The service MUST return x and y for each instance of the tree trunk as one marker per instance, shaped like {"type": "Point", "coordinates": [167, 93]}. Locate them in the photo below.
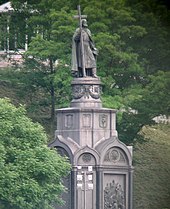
{"type": "Point", "coordinates": [52, 92]}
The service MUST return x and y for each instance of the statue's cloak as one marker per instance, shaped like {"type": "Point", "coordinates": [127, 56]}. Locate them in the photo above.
{"type": "Point", "coordinates": [89, 50]}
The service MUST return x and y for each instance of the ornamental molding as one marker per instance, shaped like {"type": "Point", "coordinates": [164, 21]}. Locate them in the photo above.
{"type": "Point", "coordinates": [86, 91]}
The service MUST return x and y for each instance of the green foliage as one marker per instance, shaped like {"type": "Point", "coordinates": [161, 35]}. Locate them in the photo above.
{"type": "Point", "coordinates": [117, 59]}
{"type": "Point", "coordinates": [157, 94]}
{"type": "Point", "coordinates": [62, 83]}
{"type": "Point", "coordinates": [50, 25]}
{"type": "Point", "coordinates": [30, 173]}
{"type": "Point", "coordinates": [152, 168]}
{"type": "Point", "coordinates": [154, 47]}
{"type": "Point", "coordinates": [51, 44]}
{"type": "Point", "coordinates": [55, 29]}
{"type": "Point", "coordinates": [149, 102]}
{"type": "Point", "coordinates": [133, 44]}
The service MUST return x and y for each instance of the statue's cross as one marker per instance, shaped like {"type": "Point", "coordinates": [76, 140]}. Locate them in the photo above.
{"type": "Point", "coordinates": [80, 17]}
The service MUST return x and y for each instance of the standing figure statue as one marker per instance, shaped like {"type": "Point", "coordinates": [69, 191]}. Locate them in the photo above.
{"type": "Point", "coordinates": [83, 52]}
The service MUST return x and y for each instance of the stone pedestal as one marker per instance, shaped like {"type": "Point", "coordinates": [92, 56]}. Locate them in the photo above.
{"type": "Point", "coordinates": [101, 176]}
{"type": "Point", "coordinates": [86, 126]}
{"type": "Point", "coordinates": [86, 92]}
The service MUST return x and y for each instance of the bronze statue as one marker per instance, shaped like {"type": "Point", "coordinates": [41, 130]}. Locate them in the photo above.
{"type": "Point", "coordinates": [83, 51]}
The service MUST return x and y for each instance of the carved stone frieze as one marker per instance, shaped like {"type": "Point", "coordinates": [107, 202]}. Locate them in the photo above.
{"type": "Point", "coordinates": [86, 120]}
{"type": "Point", "coordinates": [114, 155]}
{"type": "Point", "coordinates": [103, 120]}
{"type": "Point", "coordinates": [86, 91]}
{"type": "Point", "coordinates": [69, 120]}
{"type": "Point", "coordinates": [114, 196]}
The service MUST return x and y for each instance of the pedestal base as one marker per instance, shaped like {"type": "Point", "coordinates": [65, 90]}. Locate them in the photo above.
{"type": "Point", "coordinates": [86, 92]}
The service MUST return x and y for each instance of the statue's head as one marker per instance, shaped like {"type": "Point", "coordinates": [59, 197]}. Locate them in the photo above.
{"type": "Point", "coordinates": [84, 23]}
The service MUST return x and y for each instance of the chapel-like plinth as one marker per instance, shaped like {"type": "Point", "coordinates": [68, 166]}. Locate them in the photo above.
{"type": "Point", "coordinates": [102, 171]}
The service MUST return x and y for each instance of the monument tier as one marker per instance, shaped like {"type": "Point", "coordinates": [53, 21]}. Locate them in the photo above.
{"type": "Point", "coordinates": [101, 176]}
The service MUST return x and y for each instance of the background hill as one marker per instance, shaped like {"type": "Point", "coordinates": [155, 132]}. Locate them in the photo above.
{"type": "Point", "coordinates": [152, 169]}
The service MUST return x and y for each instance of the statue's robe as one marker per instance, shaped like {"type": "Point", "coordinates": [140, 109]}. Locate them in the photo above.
{"type": "Point", "coordinates": [89, 51]}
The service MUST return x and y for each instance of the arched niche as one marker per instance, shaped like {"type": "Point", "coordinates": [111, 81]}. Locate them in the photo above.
{"type": "Point", "coordinates": [63, 152]}
{"type": "Point", "coordinates": [115, 176]}
{"type": "Point", "coordinates": [86, 156]}
{"type": "Point", "coordinates": [68, 145]}
{"type": "Point", "coordinates": [114, 152]}
{"type": "Point", "coordinates": [85, 162]}
{"type": "Point", "coordinates": [67, 195]}
{"type": "Point", "coordinates": [115, 156]}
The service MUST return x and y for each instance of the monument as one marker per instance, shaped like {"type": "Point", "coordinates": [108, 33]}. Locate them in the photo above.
{"type": "Point", "coordinates": [102, 171]}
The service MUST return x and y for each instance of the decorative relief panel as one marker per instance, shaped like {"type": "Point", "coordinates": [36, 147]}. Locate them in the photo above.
{"type": "Point", "coordinates": [69, 121]}
{"type": "Point", "coordinates": [87, 120]}
{"type": "Point", "coordinates": [103, 120]}
{"type": "Point", "coordinates": [86, 91]}
{"type": "Point", "coordinates": [86, 157]}
{"type": "Point", "coordinates": [114, 196]}
{"type": "Point", "coordinates": [114, 155]}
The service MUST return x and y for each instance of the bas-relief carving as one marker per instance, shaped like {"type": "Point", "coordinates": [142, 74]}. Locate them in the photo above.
{"type": "Point", "coordinates": [114, 196]}
{"type": "Point", "coordinates": [69, 121]}
{"type": "Point", "coordinates": [86, 91]}
{"type": "Point", "coordinates": [103, 120]}
{"type": "Point", "coordinates": [87, 120]}
{"type": "Point", "coordinates": [86, 159]}
{"type": "Point", "coordinates": [114, 155]}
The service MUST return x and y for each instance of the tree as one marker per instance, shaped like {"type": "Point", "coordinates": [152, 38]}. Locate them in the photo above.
{"type": "Point", "coordinates": [52, 26]}
{"type": "Point", "coordinates": [154, 47]}
{"type": "Point", "coordinates": [114, 24]}
{"type": "Point", "coordinates": [30, 173]}
{"type": "Point", "coordinates": [133, 42]}
{"type": "Point", "coordinates": [151, 97]}
{"type": "Point", "coordinates": [151, 101]}
{"type": "Point", "coordinates": [3, 1]}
